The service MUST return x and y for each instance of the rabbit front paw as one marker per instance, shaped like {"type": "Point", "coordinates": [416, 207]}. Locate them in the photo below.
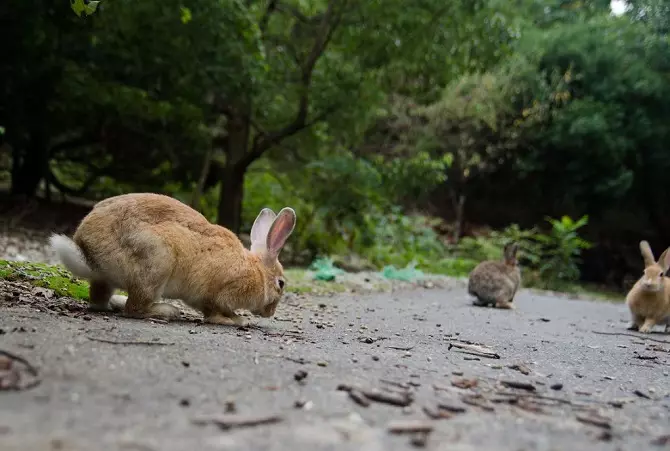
{"type": "Point", "coordinates": [223, 320]}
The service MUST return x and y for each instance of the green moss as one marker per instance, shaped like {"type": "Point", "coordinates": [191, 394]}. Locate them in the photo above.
{"type": "Point", "coordinates": [55, 278]}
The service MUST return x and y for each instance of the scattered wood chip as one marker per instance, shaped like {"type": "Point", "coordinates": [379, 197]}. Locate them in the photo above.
{"type": "Point", "coordinates": [605, 436]}
{"type": "Point", "coordinates": [393, 399]}
{"type": "Point", "coordinates": [464, 383]}
{"type": "Point", "coordinates": [359, 398]}
{"type": "Point", "coordinates": [115, 342]}
{"type": "Point", "coordinates": [521, 368]}
{"type": "Point", "coordinates": [437, 414]}
{"type": "Point", "coordinates": [409, 426]}
{"type": "Point", "coordinates": [641, 394]}
{"type": "Point", "coordinates": [396, 399]}
{"type": "Point", "coordinates": [661, 441]}
{"type": "Point", "coordinates": [595, 421]}
{"type": "Point", "coordinates": [528, 406]}
{"type": "Point", "coordinates": [631, 335]}
{"type": "Point", "coordinates": [646, 357]}
{"type": "Point", "coordinates": [402, 348]}
{"type": "Point", "coordinates": [230, 421]}
{"type": "Point", "coordinates": [518, 384]}
{"type": "Point", "coordinates": [420, 440]}
{"type": "Point", "coordinates": [477, 350]}
{"type": "Point", "coordinates": [403, 385]}
{"type": "Point", "coordinates": [477, 401]}
{"type": "Point", "coordinates": [453, 408]}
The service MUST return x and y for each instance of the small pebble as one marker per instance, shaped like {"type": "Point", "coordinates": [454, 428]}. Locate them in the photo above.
{"type": "Point", "coordinates": [457, 373]}
{"type": "Point", "coordinates": [375, 358]}
{"type": "Point", "coordinates": [557, 386]}
{"type": "Point", "coordinates": [230, 407]}
{"type": "Point", "coordinates": [322, 363]}
{"type": "Point", "coordinates": [184, 402]}
{"type": "Point", "coordinates": [300, 375]}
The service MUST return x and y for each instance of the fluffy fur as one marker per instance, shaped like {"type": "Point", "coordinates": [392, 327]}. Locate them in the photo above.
{"type": "Point", "coordinates": [496, 282]}
{"type": "Point", "coordinates": [649, 299]}
{"type": "Point", "coordinates": [154, 246]}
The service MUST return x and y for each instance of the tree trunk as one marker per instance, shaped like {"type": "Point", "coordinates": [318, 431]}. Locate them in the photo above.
{"type": "Point", "coordinates": [229, 212]}
{"type": "Point", "coordinates": [29, 167]}
{"type": "Point", "coordinates": [232, 174]}
{"type": "Point", "coordinates": [459, 213]}
{"type": "Point", "coordinates": [200, 186]}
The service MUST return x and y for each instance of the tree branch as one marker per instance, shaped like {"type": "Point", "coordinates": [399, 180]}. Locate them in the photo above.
{"type": "Point", "coordinates": [263, 141]}
{"type": "Point", "coordinates": [263, 23]}
{"type": "Point", "coordinates": [80, 141]}
{"type": "Point", "coordinates": [97, 172]}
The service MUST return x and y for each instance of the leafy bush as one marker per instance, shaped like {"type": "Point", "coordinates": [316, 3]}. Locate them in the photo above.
{"type": "Point", "coordinates": [561, 250]}
{"type": "Point", "coordinates": [548, 260]}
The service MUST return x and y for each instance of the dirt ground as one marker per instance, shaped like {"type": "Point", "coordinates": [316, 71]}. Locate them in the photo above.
{"type": "Point", "coordinates": [347, 372]}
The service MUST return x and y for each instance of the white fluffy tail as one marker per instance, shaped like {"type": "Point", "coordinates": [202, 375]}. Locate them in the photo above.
{"type": "Point", "coordinates": [118, 302]}
{"type": "Point", "coordinates": [71, 256]}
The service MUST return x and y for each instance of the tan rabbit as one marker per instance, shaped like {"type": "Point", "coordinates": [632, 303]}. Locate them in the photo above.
{"type": "Point", "coordinates": [154, 246]}
{"type": "Point", "coordinates": [649, 299]}
{"type": "Point", "coordinates": [496, 282]}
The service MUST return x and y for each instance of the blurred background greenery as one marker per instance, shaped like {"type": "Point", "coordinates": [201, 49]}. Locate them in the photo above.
{"type": "Point", "coordinates": [427, 133]}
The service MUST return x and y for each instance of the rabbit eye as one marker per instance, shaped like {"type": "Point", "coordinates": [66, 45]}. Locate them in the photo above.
{"type": "Point", "coordinates": [280, 283]}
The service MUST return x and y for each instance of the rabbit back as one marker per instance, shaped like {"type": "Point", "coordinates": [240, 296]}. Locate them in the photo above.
{"type": "Point", "coordinates": [152, 239]}
{"type": "Point", "coordinates": [494, 281]}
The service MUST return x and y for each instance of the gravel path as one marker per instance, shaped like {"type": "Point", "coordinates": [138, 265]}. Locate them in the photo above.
{"type": "Point", "coordinates": [146, 389]}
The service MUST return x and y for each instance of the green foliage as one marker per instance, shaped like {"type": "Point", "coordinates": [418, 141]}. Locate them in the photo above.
{"type": "Point", "coordinates": [561, 250]}
{"type": "Point", "coordinates": [555, 255]}
{"type": "Point", "coordinates": [84, 7]}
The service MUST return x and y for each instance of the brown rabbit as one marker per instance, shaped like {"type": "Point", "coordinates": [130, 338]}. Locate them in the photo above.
{"type": "Point", "coordinates": [155, 246]}
{"type": "Point", "coordinates": [496, 282]}
{"type": "Point", "coordinates": [649, 299]}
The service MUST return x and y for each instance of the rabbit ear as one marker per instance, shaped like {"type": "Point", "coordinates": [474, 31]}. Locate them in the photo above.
{"type": "Point", "coordinates": [664, 260]}
{"type": "Point", "coordinates": [510, 251]}
{"type": "Point", "coordinates": [261, 228]}
{"type": "Point", "coordinates": [279, 232]}
{"type": "Point", "coordinates": [647, 255]}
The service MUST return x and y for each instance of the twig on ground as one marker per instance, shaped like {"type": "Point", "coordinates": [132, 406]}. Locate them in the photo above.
{"type": "Point", "coordinates": [114, 342]}
{"type": "Point", "coordinates": [409, 426]}
{"type": "Point", "coordinates": [521, 368]}
{"type": "Point", "coordinates": [595, 421]}
{"type": "Point", "coordinates": [477, 401]}
{"type": "Point", "coordinates": [402, 348]}
{"type": "Point", "coordinates": [624, 334]}
{"type": "Point", "coordinates": [520, 385]}
{"type": "Point", "coordinates": [359, 398]}
{"type": "Point", "coordinates": [403, 385]}
{"type": "Point", "coordinates": [474, 350]}
{"type": "Point", "coordinates": [437, 414]}
{"type": "Point", "coordinates": [394, 399]}
{"type": "Point", "coordinates": [229, 421]}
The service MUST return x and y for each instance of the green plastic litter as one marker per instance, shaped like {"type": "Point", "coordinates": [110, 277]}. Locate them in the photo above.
{"type": "Point", "coordinates": [324, 269]}
{"type": "Point", "coordinates": [408, 274]}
